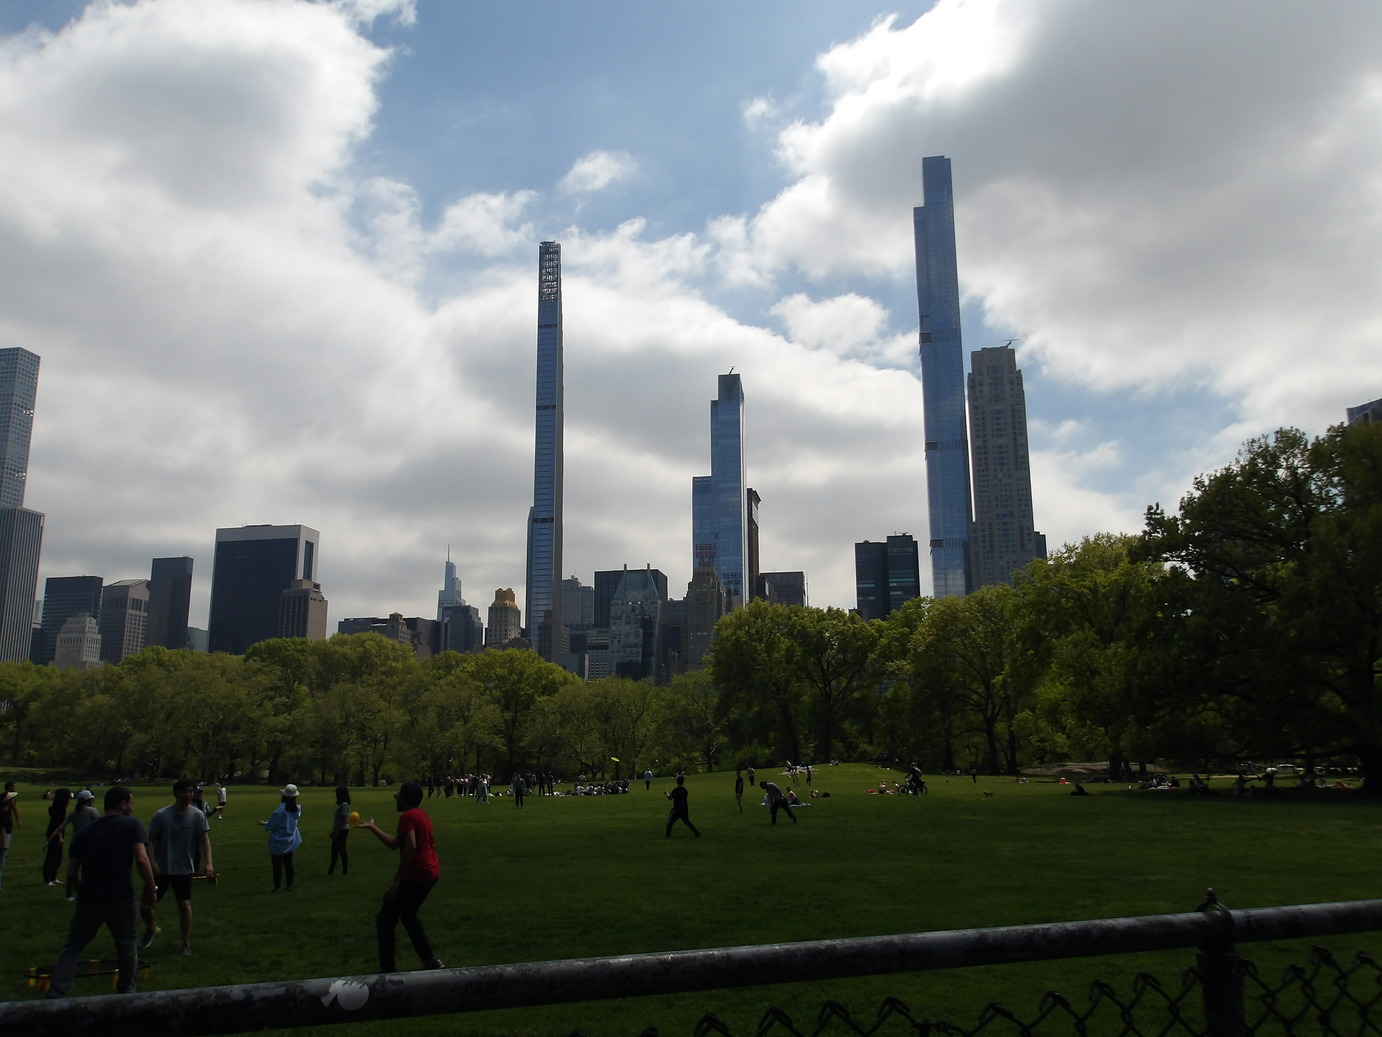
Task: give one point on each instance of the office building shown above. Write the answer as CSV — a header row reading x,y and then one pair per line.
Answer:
x,y
124,619
505,626
719,501
886,574
63,598
542,597
170,600
578,605
635,625
21,530
21,539
786,588
78,644
423,636
302,611
464,630
254,567
1002,539
942,381
753,583
1365,414
450,593
705,604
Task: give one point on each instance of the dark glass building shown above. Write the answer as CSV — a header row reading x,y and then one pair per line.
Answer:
x,y
253,569
542,600
63,598
942,381
21,530
170,599
720,500
886,575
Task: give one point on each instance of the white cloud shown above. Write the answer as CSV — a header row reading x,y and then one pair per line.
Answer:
x,y
597,170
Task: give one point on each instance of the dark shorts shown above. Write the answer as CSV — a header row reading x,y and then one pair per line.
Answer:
x,y
181,885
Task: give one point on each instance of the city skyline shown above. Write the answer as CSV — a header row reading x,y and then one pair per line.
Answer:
x,y
277,259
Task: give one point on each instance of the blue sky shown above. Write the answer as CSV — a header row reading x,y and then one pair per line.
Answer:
x,y
279,260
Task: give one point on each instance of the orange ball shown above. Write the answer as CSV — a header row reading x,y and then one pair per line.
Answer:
x,y
354,817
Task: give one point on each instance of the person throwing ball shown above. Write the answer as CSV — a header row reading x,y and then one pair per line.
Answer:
x,y
418,871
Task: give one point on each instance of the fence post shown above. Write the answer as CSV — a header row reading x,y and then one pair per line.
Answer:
x,y
1221,972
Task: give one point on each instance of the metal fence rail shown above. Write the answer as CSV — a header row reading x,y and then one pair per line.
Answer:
x,y
1213,929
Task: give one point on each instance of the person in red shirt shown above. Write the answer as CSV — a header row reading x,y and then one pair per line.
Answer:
x,y
418,871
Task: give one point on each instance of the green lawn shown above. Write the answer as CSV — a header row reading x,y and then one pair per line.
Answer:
x,y
582,877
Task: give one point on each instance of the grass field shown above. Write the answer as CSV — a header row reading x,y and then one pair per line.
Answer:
x,y
581,877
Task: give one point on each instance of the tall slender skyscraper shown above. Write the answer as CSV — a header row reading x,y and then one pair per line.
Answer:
x,y
542,599
942,381
1003,539
719,501
450,593
21,530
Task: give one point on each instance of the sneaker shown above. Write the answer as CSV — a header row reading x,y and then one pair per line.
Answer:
x,y
186,949
149,935
69,899
436,963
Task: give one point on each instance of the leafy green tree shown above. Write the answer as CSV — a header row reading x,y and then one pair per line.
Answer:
x,y
515,679
762,698
833,656
449,723
692,726
1284,615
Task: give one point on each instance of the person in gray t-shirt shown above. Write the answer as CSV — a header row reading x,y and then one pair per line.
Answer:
x,y
174,834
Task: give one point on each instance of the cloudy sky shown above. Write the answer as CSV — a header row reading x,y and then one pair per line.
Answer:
x,y
279,259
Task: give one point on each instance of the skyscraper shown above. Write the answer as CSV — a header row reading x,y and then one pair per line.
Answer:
x,y
21,530
124,619
63,598
886,575
1003,539
942,380
719,501
170,599
450,593
254,567
542,598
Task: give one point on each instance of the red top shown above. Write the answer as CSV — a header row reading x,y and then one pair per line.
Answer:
x,y
424,867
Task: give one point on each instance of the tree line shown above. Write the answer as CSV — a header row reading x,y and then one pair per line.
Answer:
x,y
1244,625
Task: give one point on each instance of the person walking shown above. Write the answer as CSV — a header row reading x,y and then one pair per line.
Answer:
x,y
81,815
98,867
52,844
776,800
221,795
648,781
340,829
679,796
418,871
174,833
739,789
9,818
284,837
519,788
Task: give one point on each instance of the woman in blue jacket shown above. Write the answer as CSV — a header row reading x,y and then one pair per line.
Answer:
x,y
284,837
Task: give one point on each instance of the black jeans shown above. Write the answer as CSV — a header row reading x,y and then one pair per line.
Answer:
x,y
338,852
403,907
283,868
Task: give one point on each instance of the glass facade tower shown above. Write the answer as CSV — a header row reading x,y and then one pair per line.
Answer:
x,y
254,567
21,530
542,599
942,381
719,501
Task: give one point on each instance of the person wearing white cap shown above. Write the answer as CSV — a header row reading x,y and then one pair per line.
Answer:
x,y
284,837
